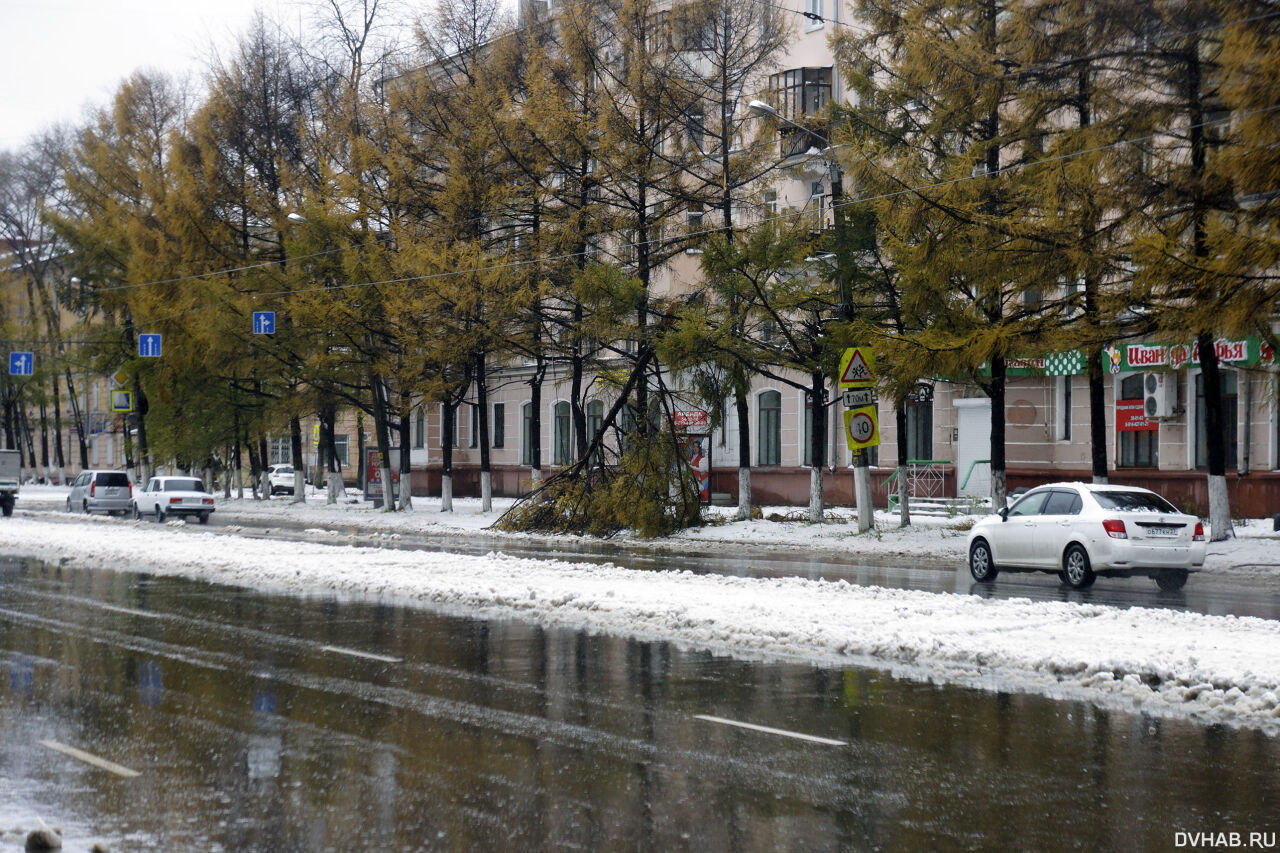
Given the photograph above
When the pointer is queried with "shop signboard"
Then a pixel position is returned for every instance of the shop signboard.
(1232, 352)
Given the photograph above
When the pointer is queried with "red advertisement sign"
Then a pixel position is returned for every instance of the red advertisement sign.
(690, 418)
(1131, 416)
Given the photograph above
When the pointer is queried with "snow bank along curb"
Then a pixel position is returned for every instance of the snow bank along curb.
(1217, 668)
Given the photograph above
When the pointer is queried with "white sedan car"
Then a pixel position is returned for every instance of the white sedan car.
(165, 496)
(1082, 530)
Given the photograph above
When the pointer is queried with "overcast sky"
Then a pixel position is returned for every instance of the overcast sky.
(60, 55)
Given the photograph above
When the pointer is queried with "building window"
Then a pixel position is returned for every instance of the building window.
(499, 424)
(563, 434)
(769, 203)
(342, 450)
(816, 206)
(693, 217)
(420, 427)
(1063, 408)
(281, 451)
(770, 426)
(527, 438)
(808, 429)
(1229, 415)
(919, 436)
(1138, 448)
(475, 424)
(814, 16)
(595, 418)
(801, 92)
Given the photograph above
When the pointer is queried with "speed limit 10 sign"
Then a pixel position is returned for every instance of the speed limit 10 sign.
(861, 429)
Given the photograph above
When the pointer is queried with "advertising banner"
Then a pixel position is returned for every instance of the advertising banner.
(373, 473)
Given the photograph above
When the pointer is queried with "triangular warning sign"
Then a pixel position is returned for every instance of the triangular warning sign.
(856, 370)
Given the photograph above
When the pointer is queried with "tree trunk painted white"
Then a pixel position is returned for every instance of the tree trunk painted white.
(1100, 481)
(59, 476)
(486, 491)
(446, 493)
(999, 490)
(904, 500)
(1219, 510)
(239, 482)
(815, 494)
(132, 474)
(406, 490)
(264, 486)
(862, 494)
(299, 488)
(388, 494)
(535, 477)
(335, 488)
(744, 494)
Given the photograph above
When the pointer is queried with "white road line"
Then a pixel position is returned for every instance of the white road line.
(753, 727)
(359, 654)
(81, 755)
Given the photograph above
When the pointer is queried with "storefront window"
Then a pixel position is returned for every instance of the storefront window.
(1138, 449)
(1229, 401)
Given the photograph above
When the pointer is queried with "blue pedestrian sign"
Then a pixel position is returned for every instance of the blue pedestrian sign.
(264, 322)
(21, 363)
(122, 401)
(149, 346)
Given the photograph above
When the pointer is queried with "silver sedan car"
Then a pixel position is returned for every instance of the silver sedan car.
(101, 491)
(1083, 530)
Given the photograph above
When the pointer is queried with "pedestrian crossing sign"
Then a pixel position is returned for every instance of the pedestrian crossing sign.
(122, 401)
(857, 367)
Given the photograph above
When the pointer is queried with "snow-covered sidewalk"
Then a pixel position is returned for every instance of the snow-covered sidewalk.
(1255, 552)
(1213, 668)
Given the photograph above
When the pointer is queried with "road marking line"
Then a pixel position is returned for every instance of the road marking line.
(359, 654)
(767, 730)
(81, 755)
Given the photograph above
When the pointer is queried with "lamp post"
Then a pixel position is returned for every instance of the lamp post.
(862, 471)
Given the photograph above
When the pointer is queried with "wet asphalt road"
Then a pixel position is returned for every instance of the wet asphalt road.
(311, 723)
(268, 723)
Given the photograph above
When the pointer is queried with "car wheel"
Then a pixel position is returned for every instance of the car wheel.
(204, 518)
(137, 513)
(68, 504)
(159, 516)
(85, 506)
(981, 565)
(1076, 570)
(1172, 581)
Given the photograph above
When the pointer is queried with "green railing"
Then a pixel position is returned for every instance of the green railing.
(892, 496)
(972, 465)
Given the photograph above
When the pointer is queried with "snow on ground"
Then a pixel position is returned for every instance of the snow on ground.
(1255, 552)
(1165, 662)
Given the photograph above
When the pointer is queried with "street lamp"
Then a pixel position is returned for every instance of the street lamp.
(297, 217)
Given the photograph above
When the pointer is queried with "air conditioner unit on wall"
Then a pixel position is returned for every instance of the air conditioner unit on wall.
(1160, 394)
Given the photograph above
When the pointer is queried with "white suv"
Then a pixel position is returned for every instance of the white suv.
(281, 479)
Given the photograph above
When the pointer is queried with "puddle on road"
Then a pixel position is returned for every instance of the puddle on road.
(254, 727)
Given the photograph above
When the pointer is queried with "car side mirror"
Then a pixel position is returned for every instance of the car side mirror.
(1004, 513)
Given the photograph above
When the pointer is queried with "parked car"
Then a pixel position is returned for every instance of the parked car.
(281, 479)
(165, 496)
(1082, 530)
(10, 477)
(101, 491)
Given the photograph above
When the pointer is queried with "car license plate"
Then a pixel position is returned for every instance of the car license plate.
(1162, 531)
